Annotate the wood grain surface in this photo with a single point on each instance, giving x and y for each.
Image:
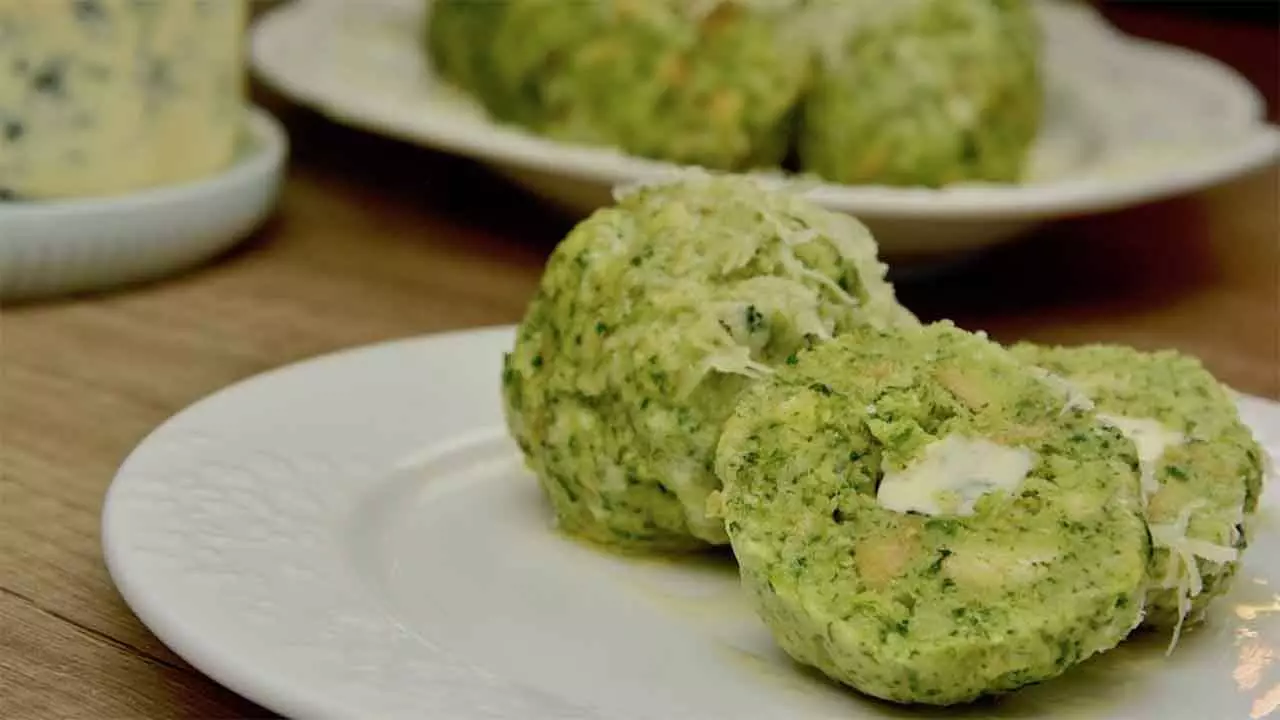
(376, 240)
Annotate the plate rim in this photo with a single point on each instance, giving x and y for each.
(491, 142)
(286, 691)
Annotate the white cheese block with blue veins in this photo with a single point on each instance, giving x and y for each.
(102, 97)
(952, 474)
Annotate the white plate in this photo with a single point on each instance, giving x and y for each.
(66, 246)
(1129, 121)
(354, 537)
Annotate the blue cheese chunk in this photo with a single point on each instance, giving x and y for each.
(953, 474)
(100, 97)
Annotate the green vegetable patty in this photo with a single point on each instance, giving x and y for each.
(915, 515)
(650, 319)
(1201, 466)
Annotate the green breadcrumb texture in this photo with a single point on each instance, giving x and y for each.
(459, 35)
(939, 91)
(1205, 487)
(650, 319)
(907, 92)
(936, 608)
(717, 87)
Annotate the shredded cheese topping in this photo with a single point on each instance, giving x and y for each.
(732, 346)
(1182, 570)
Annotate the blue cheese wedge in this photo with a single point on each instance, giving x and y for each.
(1202, 469)
(102, 97)
(914, 515)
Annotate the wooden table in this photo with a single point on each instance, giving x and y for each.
(376, 240)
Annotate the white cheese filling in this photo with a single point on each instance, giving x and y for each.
(1151, 438)
(1074, 396)
(953, 474)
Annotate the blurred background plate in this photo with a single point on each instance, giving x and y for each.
(69, 246)
(1128, 121)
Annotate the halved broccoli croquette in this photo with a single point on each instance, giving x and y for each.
(916, 514)
(1202, 469)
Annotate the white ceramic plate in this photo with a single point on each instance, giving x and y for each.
(66, 246)
(1129, 121)
(354, 537)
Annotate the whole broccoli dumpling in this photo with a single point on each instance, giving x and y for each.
(708, 83)
(651, 317)
(921, 92)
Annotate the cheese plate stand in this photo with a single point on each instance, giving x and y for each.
(51, 247)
